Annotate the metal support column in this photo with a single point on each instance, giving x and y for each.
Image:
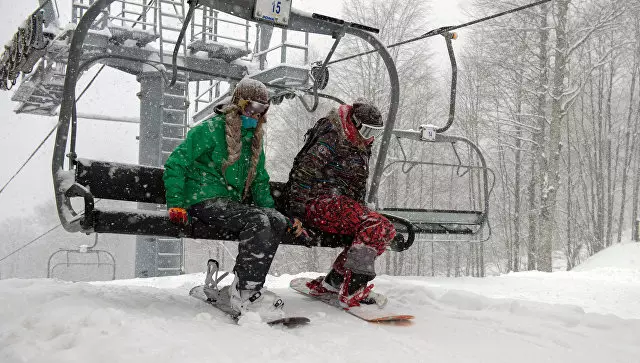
(150, 140)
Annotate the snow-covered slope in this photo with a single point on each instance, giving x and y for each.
(527, 317)
(623, 256)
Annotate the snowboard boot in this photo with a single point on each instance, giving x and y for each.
(355, 291)
(329, 284)
(263, 302)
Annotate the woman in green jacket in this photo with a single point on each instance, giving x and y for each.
(211, 175)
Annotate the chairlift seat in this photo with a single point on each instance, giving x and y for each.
(144, 184)
(440, 221)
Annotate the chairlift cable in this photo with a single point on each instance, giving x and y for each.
(30, 243)
(30, 157)
(443, 30)
(38, 238)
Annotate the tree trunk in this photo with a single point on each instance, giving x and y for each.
(538, 140)
(552, 170)
(629, 131)
(636, 190)
(518, 176)
(611, 171)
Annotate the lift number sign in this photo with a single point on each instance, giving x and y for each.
(273, 11)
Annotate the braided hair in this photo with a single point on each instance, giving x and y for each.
(247, 89)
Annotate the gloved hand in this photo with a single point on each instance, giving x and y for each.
(295, 228)
(178, 216)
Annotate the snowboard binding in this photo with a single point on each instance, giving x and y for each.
(212, 280)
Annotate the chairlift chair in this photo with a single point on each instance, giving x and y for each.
(93, 179)
(103, 258)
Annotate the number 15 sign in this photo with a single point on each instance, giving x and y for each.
(273, 11)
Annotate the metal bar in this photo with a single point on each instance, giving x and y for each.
(246, 36)
(266, 51)
(171, 28)
(81, 5)
(207, 90)
(215, 26)
(88, 116)
(296, 46)
(227, 21)
(283, 50)
(226, 37)
(175, 16)
(306, 48)
(174, 3)
(125, 20)
(140, 4)
(454, 82)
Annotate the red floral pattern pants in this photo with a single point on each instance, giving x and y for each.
(343, 215)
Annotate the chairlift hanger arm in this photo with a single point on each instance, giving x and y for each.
(454, 82)
(193, 4)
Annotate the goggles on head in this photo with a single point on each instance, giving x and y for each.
(367, 131)
(252, 108)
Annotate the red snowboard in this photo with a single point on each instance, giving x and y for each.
(370, 313)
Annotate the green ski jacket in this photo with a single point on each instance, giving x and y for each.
(193, 172)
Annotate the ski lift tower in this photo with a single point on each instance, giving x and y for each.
(143, 38)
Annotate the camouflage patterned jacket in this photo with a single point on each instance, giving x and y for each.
(328, 164)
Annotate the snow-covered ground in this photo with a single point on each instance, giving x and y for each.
(591, 315)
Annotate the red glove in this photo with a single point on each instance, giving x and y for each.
(178, 216)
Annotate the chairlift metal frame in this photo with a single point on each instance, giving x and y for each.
(83, 250)
(94, 179)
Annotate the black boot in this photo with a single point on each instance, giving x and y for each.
(334, 278)
(358, 281)
(355, 290)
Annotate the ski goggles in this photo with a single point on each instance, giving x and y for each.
(367, 131)
(253, 108)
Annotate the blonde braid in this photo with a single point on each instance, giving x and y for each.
(233, 127)
(256, 150)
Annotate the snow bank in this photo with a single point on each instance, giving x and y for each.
(154, 320)
(623, 256)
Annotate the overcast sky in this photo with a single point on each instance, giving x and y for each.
(113, 94)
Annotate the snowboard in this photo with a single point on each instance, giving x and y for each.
(219, 298)
(371, 313)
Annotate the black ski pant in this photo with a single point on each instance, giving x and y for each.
(260, 232)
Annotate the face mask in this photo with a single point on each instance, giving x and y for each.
(248, 122)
